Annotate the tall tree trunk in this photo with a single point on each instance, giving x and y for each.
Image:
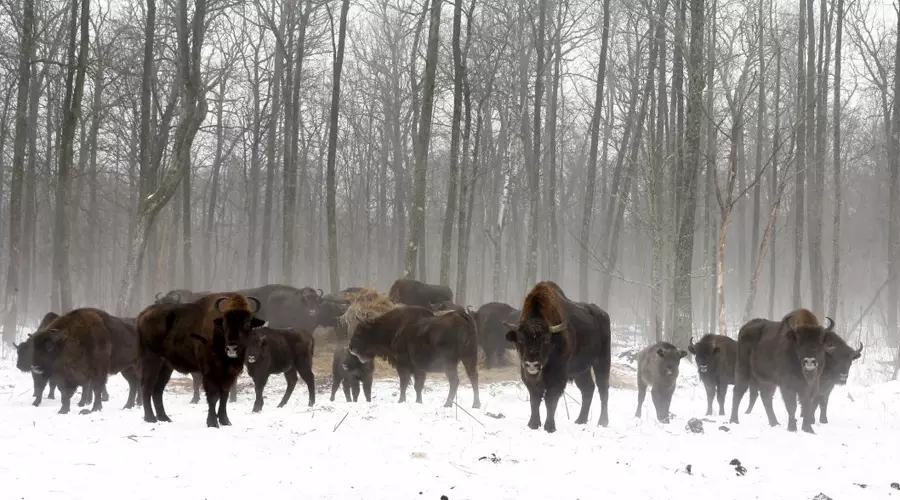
(417, 220)
(773, 185)
(893, 250)
(816, 116)
(760, 140)
(836, 233)
(534, 172)
(253, 188)
(590, 186)
(207, 280)
(800, 178)
(271, 154)
(687, 182)
(447, 232)
(466, 180)
(26, 49)
(552, 216)
(332, 152)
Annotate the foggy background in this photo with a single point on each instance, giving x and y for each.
(227, 180)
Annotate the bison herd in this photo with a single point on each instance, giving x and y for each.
(268, 330)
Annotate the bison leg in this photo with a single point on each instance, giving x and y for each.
(222, 414)
(40, 381)
(212, 398)
(741, 385)
(151, 366)
(822, 402)
(585, 384)
(551, 400)
(754, 394)
(98, 384)
(367, 386)
(196, 380)
(404, 374)
(345, 386)
(790, 403)
(662, 399)
(335, 383)
(307, 375)
(52, 393)
(601, 375)
(419, 385)
(66, 391)
(767, 392)
(354, 389)
(232, 394)
(471, 366)
(710, 395)
(642, 393)
(535, 395)
(162, 380)
(452, 378)
(87, 395)
(104, 396)
(291, 377)
(130, 376)
(721, 391)
(259, 383)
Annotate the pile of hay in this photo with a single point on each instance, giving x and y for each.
(368, 303)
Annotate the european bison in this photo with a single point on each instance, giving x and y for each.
(789, 355)
(82, 348)
(837, 370)
(287, 351)
(559, 340)
(207, 336)
(416, 293)
(23, 361)
(347, 371)
(416, 341)
(180, 296)
(716, 356)
(490, 319)
(657, 366)
(287, 307)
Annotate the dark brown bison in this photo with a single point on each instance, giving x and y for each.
(23, 362)
(789, 355)
(416, 341)
(416, 293)
(276, 350)
(208, 336)
(657, 367)
(82, 348)
(490, 319)
(180, 296)
(347, 371)
(559, 340)
(716, 356)
(287, 307)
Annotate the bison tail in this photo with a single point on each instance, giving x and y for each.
(470, 341)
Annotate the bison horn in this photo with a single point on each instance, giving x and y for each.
(510, 326)
(219, 302)
(692, 341)
(321, 293)
(859, 350)
(157, 295)
(470, 310)
(557, 328)
(255, 301)
(830, 323)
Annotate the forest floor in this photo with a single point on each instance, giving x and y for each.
(388, 450)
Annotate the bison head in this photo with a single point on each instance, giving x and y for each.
(839, 359)
(363, 342)
(808, 348)
(236, 322)
(669, 360)
(256, 346)
(47, 347)
(707, 356)
(23, 353)
(535, 340)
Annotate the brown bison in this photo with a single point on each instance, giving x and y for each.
(23, 362)
(657, 366)
(716, 356)
(83, 347)
(416, 341)
(180, 296)
(490, 319)
(789, 355)
(347, 371)
(287, 351)
(209, 336)
(416, 293)
(559, 340)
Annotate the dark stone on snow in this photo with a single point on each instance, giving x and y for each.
(694, 425)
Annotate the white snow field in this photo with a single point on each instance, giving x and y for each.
(386, 450)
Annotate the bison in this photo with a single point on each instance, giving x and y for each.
(716, 356)
(23, 362)
(83, 347)
(490, 319)
(348, 371)
(415, 293)
(209, 336)
(789, 355)
(287, 351)
(416, 341)
(180, 296)
(559, 340)
(657, 366)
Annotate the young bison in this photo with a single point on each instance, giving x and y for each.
(658, 368)
(788, 355)
(207, 336)
(276, 350)
(347, 371)
(715, 356)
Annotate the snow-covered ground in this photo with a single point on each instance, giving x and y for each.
(386, 450)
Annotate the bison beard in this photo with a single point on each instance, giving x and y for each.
(271, 351)
(789, 355)
(207, 336)
(558, 340)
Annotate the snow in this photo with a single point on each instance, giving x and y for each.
(386, 450)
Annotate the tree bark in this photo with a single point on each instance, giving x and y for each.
(333, 132)
(447, 232)
(800, 178)
(534, 170)
(836, 182)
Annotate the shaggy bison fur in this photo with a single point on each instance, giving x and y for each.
(490, 319)
(276, 350)
(23, 362)
(416, 293)
(347, 371)
(208, 336)
(716, 356)
(788, 355)
(83, 347)
(416, 342)
(559, 340)
(657, 367)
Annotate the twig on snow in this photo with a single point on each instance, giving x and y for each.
(341, 422)
(467, 413)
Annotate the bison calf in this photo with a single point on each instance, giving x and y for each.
(287, 351)
(715, 356)
(347, 371)
(658, 368)
(490, 319)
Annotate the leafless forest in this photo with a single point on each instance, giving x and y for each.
(684, 164)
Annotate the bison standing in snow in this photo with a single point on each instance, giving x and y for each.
(490, 319)
(715, 356)
(287, 351)
(657, 367)
(347, 372)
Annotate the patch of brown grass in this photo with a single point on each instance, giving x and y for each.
(368, 303)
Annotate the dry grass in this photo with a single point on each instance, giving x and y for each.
(368, 303)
